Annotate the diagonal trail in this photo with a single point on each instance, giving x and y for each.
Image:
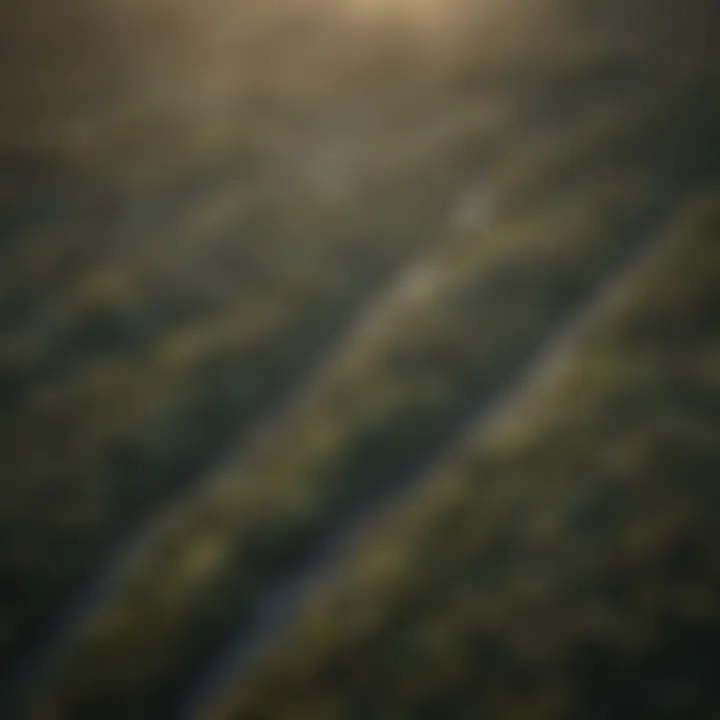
(225, 451)
(370, 314)
(274, 610)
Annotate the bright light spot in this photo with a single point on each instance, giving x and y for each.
(418, 11)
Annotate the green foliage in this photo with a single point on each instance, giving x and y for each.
(239, 309)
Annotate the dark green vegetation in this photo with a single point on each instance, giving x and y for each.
(249, 301)
(562, 563)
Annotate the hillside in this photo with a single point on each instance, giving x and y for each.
(359, 359)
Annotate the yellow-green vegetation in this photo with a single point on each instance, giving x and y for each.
(132, 371)
(428, 370)
(147, 324)
(262, 268)
(562, 563)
